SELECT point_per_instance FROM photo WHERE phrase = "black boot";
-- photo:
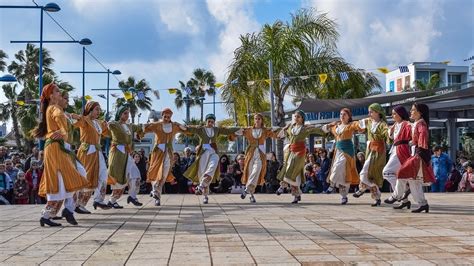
(69, 216)
(100, 205)
(425, 208)
(405, 195)
(44, 221)
(295, 200)
(114, 205)
(279, 191)
(376, 203)
(390, 200)
(134, 201)
(358, 193)
(82, 210)
(403, 205)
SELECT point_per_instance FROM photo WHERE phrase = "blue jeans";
(439, 185)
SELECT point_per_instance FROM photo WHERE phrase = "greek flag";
(187, 90)
(235, 81)
(141, 96)
(344, 76)
(403, 69)
(285, 80)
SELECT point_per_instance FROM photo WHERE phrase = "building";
(3, 130)
(395, 81)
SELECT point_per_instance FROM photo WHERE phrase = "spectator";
(34, 156)
(441, 168)
(224, 163)
(467, 181)
(325, 164)
(11, 170)
(178, 170)
(310, 160)
(22, 158)
(237, 169)
(311, 178)
(453, 181)
(21, 189)
(33, 177)
(188, 158)
(360, 160)
(271, 181)
(5, 185)
(461, 166)
(140, 162)
(3, 154)
(41, 159)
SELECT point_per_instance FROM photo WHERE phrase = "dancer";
(255, 166)
(292, 173)
(400, 135)
(417, 170)
(60, 178)
(343, 171)
(204, 168)
(162, 154)
(122, 169)
(90, 154)
(377, 135)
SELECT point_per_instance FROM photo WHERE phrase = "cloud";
(181, 16)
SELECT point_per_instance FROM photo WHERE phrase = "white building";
(395, 81)
(3, 130)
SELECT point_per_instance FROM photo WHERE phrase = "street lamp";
(50, 7)
(8, 78)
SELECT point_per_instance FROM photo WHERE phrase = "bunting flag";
(172, 90)
(102, 96)
(20, 103)
(268, 81)
(304, 77)
(141, 95)
(344, 76)
(403, 69)
(187, 90)
(219, 84)
(250, 83)
(383, 70)
(323, 78)
(88, 97)
(285, 80)
(157, 94)
(446, 62)
(128, 95)
(469, 58)
(235, 81)
(115, 95)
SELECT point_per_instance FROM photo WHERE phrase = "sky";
(163, 41)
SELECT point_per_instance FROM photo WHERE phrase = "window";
(399, 84)
(424, 75)
(407, 82)
(454, 79)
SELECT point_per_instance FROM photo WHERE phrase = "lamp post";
(8, 78)
(50, 7)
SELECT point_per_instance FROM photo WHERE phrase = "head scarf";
(211, 116)
(402, 112)
(348, 112)
(378, 109)
(47, 91)
(301, 113)
(166, 110)
(424, 111)
(120, 111)
(90, 105)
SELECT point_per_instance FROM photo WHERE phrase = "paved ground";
(233, 231)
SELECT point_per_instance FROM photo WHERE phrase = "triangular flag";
(88, 97)
(344, 76)
(268, 81)
(157, 94)
(235, 81)
(383, 70)
(172, 90)
(102, 96)
(323, 78)
(403, 69)
(20, 103)
(188, 90)
(304, 77)
(446, 62)
(250, 83)
(128, 95)
(141, 95)
(219, 84)
(115, 95)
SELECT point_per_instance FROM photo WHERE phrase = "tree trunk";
(132, 114)
(280, 120)
(16, 128)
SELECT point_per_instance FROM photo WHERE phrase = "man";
(11, 170)
(5, 186)
(3, 154)
(325, 163)
(34, 156)
(441, 166)
(188, 159)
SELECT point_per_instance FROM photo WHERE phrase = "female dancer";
(292, 173)
(377, 135)
(60, 178)
(90, 154)
(203, 170)
(255, 165)
(400, 135)
(343, 171)
(162, 154)
(122, 169)
(417, 169)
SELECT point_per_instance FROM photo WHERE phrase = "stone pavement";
(232, 231)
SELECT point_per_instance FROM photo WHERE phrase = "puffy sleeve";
(358, 125)
(423, 137)
(271, 133)
(151, 127)
(177, 128)
(60, 118)
(314, 130)
(105, 129)
(230, 130)
(81, 122)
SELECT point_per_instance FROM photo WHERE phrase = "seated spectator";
(325, 164)
(21, 189)
(467, 181)
(237, 169)
(311, 178)
(224, 163)
(5, 186)
(33, 177)
(360, 160)
(178, 169)
(271, 181)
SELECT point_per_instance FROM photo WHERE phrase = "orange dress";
(90, 137)
(56, 157)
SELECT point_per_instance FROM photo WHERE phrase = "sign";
(335, 115)
(392, 86)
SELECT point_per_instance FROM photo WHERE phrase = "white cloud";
(181, 16)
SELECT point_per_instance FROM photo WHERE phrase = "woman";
(417, 170)
(60, 178)
(122, 169)
(224, 163)
(90, 154)
(33, 177)
(162, 154)
(255, 165)
(400, 136)
(292, 173)
(204, 168)
(343, 171)
(21, 189)
(271, 181)
(377, 134)
(360, 161)
(177, 170)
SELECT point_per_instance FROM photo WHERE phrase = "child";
(310, 176)
(21, 189)
(33, 177)
(467, 181)
(5, 185)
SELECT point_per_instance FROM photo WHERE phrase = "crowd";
(20, 175)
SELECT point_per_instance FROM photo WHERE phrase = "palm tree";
(9, 110)
(137, 102)
(3, 64)
(304, 46)
(432, 83)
